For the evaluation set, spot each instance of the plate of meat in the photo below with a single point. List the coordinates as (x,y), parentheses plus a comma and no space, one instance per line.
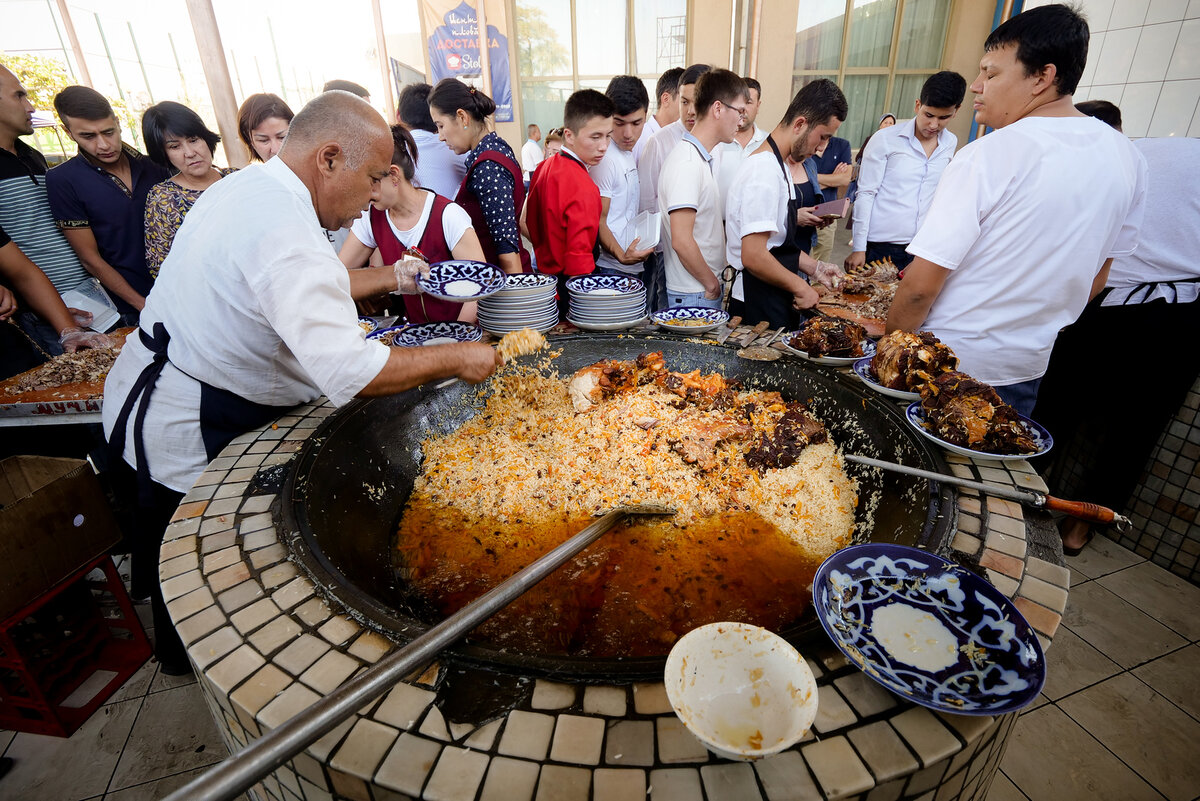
(831,342)
(903,362)
(865,296)
(967,417)
(928,629)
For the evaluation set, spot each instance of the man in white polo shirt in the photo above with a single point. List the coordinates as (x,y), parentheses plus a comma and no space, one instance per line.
(616,177)
(667,92)
(1027,220)
(728,158)
(901,167)
(693,229)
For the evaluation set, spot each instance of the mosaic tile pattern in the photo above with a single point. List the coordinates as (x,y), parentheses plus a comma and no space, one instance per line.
(266,646)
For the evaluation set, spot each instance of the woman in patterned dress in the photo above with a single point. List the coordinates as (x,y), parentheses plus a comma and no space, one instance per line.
(493,190)
(175,137)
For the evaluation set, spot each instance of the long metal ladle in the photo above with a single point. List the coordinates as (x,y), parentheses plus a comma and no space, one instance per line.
(241,770)
(1090,512)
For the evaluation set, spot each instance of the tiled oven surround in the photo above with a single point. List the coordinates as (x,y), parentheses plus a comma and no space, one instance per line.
(266,646)
(1166,501)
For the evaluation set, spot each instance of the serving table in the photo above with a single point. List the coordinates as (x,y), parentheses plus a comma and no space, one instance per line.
(266,645)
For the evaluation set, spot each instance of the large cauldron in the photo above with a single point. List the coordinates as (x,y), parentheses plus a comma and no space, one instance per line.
(343,500)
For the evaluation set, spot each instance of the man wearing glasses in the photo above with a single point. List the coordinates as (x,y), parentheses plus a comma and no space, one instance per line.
(689,200)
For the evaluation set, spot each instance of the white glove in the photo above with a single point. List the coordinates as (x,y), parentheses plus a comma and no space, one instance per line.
(82,318)
(407,270)
(73,339)
(829,274)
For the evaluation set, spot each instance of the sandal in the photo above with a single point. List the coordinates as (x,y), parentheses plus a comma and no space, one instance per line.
(1087,538)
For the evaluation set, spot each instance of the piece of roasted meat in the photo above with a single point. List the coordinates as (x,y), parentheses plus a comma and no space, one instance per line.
(607,378)
(970,414)
(828,336)
(905,361)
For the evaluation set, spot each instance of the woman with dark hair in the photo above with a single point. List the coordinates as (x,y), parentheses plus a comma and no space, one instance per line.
(406,216)
(176,138)
(263,122)
(493,190)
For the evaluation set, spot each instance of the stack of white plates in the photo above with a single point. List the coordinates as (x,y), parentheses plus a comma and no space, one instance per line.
(606,302)
(526,301)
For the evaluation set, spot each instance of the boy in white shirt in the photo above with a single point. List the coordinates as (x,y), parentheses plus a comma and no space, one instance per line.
(667,93)
(616,176)
(901,167)
(693,230)
(1027,220)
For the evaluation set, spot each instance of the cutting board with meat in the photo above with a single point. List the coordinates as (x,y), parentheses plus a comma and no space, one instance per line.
(70,377)
(865,297)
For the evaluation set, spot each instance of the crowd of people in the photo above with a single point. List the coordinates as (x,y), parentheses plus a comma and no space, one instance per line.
(243,284)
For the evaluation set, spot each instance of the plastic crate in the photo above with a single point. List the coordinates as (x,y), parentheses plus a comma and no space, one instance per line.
(82,626)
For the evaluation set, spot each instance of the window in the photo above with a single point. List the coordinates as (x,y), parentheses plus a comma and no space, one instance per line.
(879,51)
(567,45)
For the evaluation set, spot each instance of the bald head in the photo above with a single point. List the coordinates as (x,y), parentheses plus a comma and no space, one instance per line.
(16,112)
(340,117)
(340,148)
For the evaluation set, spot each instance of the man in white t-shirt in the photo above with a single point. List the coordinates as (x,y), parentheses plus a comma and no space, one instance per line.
(728,158)
(901,167)
(1027,220)
(667,93)
(531,152)
(762,214)
(616,177)
(693,230)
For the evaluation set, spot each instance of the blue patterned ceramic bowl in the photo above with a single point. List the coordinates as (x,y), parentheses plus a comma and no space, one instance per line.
(929,630)
(604,285)
(828,361)
(461,281)
(526,281)
(1041,437)
(367,324)
(437,334)
(386,335)
(689,319)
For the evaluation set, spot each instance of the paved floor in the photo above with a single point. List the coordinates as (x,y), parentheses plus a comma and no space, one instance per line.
(1119,718)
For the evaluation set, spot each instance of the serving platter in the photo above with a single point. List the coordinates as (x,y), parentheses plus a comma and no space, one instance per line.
(928,629)
(461,281)
(436,334)
(368,324)
(829,361)
(386,335)
(689,319)
(1041,437)
(862,369)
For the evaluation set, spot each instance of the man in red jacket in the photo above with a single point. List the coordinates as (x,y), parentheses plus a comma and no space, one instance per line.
(562,210)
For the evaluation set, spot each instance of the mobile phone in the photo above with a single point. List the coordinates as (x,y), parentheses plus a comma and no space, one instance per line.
(834,209)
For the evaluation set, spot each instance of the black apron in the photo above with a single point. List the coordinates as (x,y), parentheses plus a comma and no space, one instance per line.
(766,301)
(223,415)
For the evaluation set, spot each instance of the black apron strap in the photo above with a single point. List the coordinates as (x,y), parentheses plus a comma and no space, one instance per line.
(766,301)
(225,415)
(141,391)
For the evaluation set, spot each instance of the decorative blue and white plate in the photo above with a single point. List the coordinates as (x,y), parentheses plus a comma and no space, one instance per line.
(367,324)
(929,630)
(437,334)
(689,319)
(1041,437)
(602,285)
(620,325)
(526,281)
(461,281)
(829,361)
(387,335)
(862,369)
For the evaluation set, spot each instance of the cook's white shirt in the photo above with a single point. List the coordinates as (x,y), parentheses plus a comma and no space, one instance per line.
(455,222)
(896,183)
(757,204)
(616,176)
(1024,218)
(256,303)
(1170,236)
(728,158)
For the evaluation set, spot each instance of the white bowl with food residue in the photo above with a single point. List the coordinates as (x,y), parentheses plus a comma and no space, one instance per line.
(743,691)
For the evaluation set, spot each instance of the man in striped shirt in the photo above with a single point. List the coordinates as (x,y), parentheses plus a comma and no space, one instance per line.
(24,207)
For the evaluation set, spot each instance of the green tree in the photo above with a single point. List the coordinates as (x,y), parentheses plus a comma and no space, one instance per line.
(538,45)
(42,77)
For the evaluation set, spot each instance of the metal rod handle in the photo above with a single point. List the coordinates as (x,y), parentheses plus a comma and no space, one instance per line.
(1008,493)
(241,770)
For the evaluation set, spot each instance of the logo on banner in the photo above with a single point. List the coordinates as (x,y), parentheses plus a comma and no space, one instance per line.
(454,53)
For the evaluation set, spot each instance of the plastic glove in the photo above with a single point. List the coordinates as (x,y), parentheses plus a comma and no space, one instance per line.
(829,274)
(73,339)
(407,270)
(82,318)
